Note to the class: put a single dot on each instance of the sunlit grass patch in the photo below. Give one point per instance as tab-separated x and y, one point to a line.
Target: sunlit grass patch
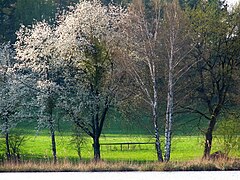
184	148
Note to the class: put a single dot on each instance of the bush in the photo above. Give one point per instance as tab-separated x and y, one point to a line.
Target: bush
227	134
15	143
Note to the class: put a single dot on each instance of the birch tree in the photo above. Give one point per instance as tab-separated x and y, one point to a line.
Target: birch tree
139	49
177	46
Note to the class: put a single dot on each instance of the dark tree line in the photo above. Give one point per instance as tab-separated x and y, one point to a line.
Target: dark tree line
16	12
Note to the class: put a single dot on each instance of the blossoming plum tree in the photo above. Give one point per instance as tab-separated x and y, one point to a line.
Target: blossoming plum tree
12	96
74	57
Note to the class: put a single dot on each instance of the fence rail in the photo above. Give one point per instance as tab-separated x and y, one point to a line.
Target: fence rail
121	144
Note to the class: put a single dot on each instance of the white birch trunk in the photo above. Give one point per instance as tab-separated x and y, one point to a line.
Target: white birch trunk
172	21
169	110
154	113
144	49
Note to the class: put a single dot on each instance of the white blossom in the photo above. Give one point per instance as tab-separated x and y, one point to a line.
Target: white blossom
12	92
61	59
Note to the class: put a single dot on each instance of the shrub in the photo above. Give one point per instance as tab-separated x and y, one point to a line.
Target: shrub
227	134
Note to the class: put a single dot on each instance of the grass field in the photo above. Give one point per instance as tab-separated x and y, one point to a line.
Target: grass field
184	148
186	156
187	144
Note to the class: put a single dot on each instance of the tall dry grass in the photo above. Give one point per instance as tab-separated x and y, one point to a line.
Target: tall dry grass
67	166
101	166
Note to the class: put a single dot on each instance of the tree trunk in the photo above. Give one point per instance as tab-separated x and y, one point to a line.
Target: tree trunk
50	107
169	113
96	147
156	129
8	153
97	128
158	144
154	111
7	146
54	149
208	137
157	136
168	129
79	152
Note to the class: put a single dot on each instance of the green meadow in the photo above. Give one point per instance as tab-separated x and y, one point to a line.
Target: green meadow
187	142
38	147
